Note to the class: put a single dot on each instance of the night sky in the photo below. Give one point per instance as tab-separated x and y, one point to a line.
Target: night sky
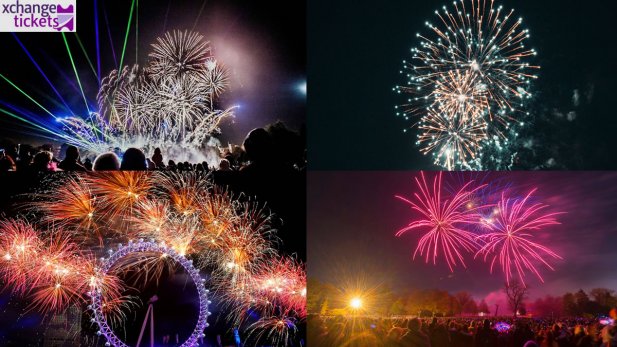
262	43
264	48
353	216
356	50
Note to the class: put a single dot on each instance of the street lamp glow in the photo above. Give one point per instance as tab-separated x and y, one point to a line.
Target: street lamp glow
355	303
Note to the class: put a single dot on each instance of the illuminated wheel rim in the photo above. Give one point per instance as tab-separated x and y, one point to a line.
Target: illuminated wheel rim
141	247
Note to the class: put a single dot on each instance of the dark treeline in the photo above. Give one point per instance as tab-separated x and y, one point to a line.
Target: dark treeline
327	299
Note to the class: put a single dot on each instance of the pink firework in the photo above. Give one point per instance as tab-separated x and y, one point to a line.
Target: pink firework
283	282
445	218
508	240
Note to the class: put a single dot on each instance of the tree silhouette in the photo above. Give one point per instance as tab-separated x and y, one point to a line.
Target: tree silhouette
516	293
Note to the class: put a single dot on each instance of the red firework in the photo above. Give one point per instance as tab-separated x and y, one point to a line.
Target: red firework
52	270
445	218
283	281
508	240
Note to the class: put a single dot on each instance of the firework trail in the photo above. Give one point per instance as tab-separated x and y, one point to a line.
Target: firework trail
471	71
445	218
508	241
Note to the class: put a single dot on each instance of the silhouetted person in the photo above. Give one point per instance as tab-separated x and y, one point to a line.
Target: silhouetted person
224	165
43	162
71	161
133	159
24	157
171	165
258	147
6	162
88	164
157	158
522	333
50	148
106	162
287	145
151	165
438	334
486	337
415	337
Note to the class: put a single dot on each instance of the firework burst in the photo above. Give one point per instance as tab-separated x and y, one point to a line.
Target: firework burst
171	103
482	218
445	218
284	282
509	240
277	329
118	193
78	211
454	140
178	53
53	271
472	66
232	239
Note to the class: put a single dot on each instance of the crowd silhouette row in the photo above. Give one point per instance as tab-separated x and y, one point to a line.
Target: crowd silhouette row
273	147
462	332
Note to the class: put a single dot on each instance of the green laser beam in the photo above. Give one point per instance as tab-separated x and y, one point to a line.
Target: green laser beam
68	49
26	95
80	140
83	49
7	112
126	35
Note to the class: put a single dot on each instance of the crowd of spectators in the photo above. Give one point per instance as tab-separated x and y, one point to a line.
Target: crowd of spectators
272	148
462	332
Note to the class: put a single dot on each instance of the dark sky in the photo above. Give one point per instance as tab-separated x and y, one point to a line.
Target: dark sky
353	216
263	44
356	50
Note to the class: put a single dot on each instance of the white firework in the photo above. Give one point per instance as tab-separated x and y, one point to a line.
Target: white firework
171	104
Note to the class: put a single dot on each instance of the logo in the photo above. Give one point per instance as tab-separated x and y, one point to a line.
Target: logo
38	15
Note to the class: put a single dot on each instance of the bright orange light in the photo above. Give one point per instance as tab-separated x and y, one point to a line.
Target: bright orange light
355	303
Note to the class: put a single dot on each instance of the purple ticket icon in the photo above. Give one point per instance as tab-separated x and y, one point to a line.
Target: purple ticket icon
66	18
68	9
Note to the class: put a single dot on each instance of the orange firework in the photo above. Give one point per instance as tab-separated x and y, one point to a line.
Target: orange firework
217	215
232	239
150	217
151	267
247	246
119	191
76	209
183	190
180	235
